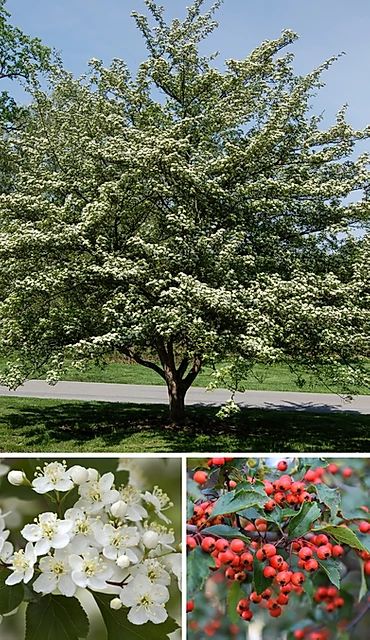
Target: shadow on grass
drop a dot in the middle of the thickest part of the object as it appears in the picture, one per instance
(44, 425)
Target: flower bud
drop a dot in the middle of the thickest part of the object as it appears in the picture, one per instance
(17, 478)
(118, 509)
(150, 539)
(115, 604)
(123, 561)
(79, 474)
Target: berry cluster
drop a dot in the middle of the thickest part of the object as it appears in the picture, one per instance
(284, 561)
(330, 596)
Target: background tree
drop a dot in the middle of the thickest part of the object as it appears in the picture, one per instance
(21, 57)
(211, 222)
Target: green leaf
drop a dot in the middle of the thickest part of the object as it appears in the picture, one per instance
(308, 587)
(331, 568)
(56, 618)
(10, 596)
(330, 497)
(198, 569)
(363, 587)
(234, 594)
(232, 502)
(224, 531)
(344, 535)
(302, 521)
(118, 627)
(260, 582)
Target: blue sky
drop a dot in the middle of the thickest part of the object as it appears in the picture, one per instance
(82, 29)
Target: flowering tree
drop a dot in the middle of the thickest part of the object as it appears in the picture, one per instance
(280, 548)
(209, 223)
(21, 58)
(113, 541)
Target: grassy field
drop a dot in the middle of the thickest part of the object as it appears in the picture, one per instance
(68, 426)
(277, 377)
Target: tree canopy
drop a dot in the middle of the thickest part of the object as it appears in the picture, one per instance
(185, 214)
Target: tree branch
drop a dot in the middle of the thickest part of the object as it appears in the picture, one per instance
(145, 363)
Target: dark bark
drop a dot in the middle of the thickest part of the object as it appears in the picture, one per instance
(178, 380)
(176, 396)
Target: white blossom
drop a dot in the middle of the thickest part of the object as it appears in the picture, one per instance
(48, 532)
(160, 501)
(53, 477)
(146, 601)
(97, 494)
(90, 569)
(22, 565)
(133, 498)
(55, 575)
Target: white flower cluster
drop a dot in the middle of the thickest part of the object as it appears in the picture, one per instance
(109, 541)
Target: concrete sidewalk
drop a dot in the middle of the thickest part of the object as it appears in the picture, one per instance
(152, 394)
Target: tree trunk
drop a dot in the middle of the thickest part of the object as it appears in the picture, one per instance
(176, 395)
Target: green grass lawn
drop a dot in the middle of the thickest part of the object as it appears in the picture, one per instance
(67, 426)
(277, 377)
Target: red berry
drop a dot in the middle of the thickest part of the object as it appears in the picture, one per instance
(276, 611)
(282, 465)
(226, 557)
(246, 559)
(191, 542)
(269, 550)
(247, 615)
(284, 577)
(276, 561)
(189, 606)
(298, 578)
(269, 572)
(310, 475)
(282, 599)
(222, 544)
(218, 462)
(311, 565)
(243, 605)
(200, 477)
(208, 544)
(333, 468)
(255, 597)
(305, 553)
(324, 552)
(337, 551)
(283, 483)
(364, 526)
(237, 545)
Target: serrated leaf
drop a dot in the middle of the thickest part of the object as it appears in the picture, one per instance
(233, 502)
(302, 521)
(260, 582)
(56, 618)
(330, 497)
(224, 531)
(198, 569)
(234, 594)
(331, 568)
(344, 535)
(118, 627)
(10, 596)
